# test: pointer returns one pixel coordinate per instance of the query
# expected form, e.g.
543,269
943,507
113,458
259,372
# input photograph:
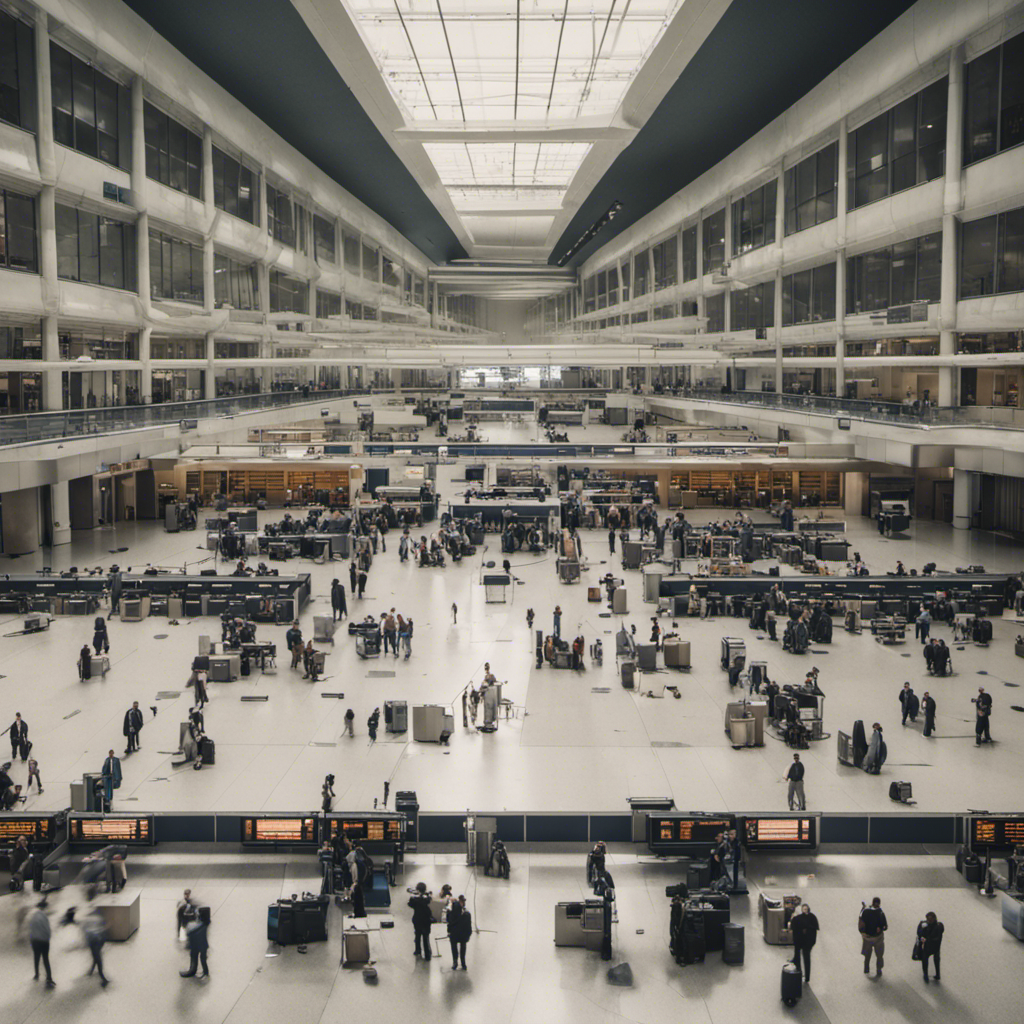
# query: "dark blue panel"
557,828
841,829
183,828
510,828
612,828
442,828
229,828
912,829
959,829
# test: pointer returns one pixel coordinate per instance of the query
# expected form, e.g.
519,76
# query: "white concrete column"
727,304
777,330
207,182
52,397
842,188
952,205
780,205
963,487
210,383
52,382
139,198
60,506
45,150
840,321
209,278
146,369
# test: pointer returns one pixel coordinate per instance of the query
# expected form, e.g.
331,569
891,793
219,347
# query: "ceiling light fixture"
588,235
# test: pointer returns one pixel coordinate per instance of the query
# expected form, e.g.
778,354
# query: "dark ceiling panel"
760,58
263,54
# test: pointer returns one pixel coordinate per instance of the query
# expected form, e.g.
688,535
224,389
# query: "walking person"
100,640
460,930
352,576
455,614
94,929
804,927
361,581
923,625
928,706
929,938
371,724
910,703
339,607
421,919
795,777
390,632
406,637
33,773
350,717
558,622
293,641
39,935
111,776
132,727
983,711
873,926
196,935
611,541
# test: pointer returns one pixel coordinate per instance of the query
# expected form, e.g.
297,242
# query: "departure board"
37,829
368,830
671,830
135,831
993,832
781,833
293,831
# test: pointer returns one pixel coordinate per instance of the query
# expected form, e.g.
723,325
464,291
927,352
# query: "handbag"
917,951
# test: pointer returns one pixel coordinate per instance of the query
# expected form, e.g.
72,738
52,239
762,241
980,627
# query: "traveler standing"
339,608
558,622
421,919
293,641
39,936
406,637
361,580
19,737
352,576
111,776
910,703
983,708
455,614
460,930
611,540
132,727
100,640
872,762
929,937
198,946
350,717
390,632
928,706
795,777
33,773
804,927
371,724
873,926
923,624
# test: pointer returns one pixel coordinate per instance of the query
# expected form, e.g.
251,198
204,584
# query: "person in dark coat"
115,592
929,937
100,640
372,722
85,662
910,703
338,604
293,641
198,946
421,919
460,931
786,518
19,737
928,706
352,575
132,727
804,927
983,707
361,582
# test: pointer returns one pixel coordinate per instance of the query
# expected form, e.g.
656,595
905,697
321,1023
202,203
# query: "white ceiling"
508,111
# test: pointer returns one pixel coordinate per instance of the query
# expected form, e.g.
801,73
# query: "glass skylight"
485,63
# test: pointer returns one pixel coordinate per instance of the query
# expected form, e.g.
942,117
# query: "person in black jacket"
804,927
198,946
421,919
132,727
795,777
339,605
983,707
910,703
929,937
100,639
928,707
460,930
19,737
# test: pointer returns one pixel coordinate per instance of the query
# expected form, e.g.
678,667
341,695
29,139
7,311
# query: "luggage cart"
323,629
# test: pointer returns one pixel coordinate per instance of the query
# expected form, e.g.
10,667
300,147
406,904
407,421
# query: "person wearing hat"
338,605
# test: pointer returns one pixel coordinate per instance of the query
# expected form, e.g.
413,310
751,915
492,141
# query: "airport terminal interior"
534,533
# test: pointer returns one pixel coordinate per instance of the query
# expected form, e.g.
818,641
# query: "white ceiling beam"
586,129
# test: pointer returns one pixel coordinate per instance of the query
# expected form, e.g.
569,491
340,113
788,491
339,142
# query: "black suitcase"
974,870
693,948
792,984
207,750
698,874
732,947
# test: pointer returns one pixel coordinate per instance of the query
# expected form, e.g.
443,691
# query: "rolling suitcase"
647,655
732,947
355,947
207,750
698,874
619,603
677,653
628,674
693,948
792,984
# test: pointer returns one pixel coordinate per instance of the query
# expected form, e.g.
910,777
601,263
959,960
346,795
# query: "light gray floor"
516,974
570,748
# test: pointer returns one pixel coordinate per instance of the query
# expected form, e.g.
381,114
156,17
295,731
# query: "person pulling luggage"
19,737
804,928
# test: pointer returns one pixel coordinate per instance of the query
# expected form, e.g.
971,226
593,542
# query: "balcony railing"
863,409
43,426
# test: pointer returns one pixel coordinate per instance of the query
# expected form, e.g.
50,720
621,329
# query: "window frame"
823,195
80,116
811,287
164,157
167,246
997,108
5,231
764,196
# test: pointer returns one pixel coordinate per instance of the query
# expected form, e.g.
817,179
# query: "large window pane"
978,257
111,253
929,266
323,234
665,256
351,247
641,273
690,253
904,273
1011,264
84,92
1011,115
63,96
10,92
981,106
67,243
20,230
714,310
714,241
370,263
88,247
